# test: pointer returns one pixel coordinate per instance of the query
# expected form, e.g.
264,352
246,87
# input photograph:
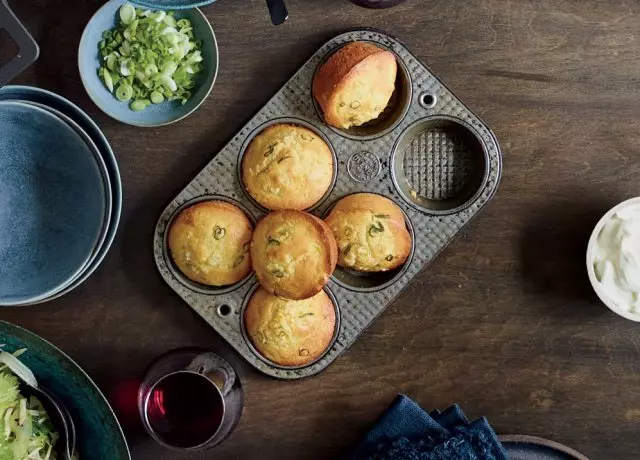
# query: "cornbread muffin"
287,167
209,242
371,233
290,332
293,254
355,84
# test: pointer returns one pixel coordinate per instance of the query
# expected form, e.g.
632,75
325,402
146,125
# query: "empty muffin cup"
249,341
173,268
439,165
391,116
271,151
371,281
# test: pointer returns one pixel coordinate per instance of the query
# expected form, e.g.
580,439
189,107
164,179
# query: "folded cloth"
450,418
406,432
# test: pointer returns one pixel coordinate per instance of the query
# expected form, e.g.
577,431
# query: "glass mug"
190,399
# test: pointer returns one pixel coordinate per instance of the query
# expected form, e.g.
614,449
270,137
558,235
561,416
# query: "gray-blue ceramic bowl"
41,96
172,4
99,435
52,203
156,114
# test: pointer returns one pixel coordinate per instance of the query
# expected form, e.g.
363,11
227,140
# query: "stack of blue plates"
60,196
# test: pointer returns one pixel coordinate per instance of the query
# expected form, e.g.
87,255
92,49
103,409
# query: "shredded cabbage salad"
26,433
150,57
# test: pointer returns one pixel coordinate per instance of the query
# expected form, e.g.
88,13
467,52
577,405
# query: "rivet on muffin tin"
428,100
309,365
452,181
224,310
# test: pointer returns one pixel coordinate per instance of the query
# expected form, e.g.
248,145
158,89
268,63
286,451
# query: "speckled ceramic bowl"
521,447
54,203
156,114
99,435
103,169
52,100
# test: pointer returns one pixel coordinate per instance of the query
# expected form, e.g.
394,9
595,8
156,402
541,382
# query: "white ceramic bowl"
590,256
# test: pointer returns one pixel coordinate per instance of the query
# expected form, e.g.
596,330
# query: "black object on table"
377,3
278,11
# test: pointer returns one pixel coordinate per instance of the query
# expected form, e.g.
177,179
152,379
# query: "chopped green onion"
111,61
127,13
140,104
169,83
157,97
150,57
108,81
158,16
124,92
170,20
151,69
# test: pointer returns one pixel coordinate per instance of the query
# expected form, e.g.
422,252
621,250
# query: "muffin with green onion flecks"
209,242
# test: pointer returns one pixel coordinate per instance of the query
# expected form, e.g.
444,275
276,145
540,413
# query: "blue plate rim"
187,6
82,266
81,54
83,373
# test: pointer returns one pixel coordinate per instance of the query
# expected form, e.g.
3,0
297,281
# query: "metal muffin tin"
428,152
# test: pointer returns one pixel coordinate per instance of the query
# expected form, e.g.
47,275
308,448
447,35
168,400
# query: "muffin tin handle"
28,50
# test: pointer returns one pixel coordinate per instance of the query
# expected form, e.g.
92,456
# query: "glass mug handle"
215,369
28,50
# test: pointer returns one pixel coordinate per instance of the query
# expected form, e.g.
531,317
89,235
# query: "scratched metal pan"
428,152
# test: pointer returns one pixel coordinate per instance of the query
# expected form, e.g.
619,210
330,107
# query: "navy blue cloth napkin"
406,432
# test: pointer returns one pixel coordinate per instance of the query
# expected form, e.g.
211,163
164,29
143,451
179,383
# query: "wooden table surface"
504,322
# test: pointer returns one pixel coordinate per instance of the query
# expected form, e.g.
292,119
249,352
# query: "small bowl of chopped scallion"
147,67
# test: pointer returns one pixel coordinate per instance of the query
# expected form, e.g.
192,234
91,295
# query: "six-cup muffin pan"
427,152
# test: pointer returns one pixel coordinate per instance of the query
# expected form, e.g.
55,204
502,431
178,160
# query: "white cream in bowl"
613,259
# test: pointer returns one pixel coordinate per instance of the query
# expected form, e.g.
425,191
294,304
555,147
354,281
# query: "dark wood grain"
503,322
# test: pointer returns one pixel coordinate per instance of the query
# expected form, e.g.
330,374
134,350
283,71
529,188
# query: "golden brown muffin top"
370,202
371,233
209,242
290,332
293,254
355,84
287,167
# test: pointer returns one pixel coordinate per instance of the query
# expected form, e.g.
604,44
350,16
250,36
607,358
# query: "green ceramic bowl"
99,435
